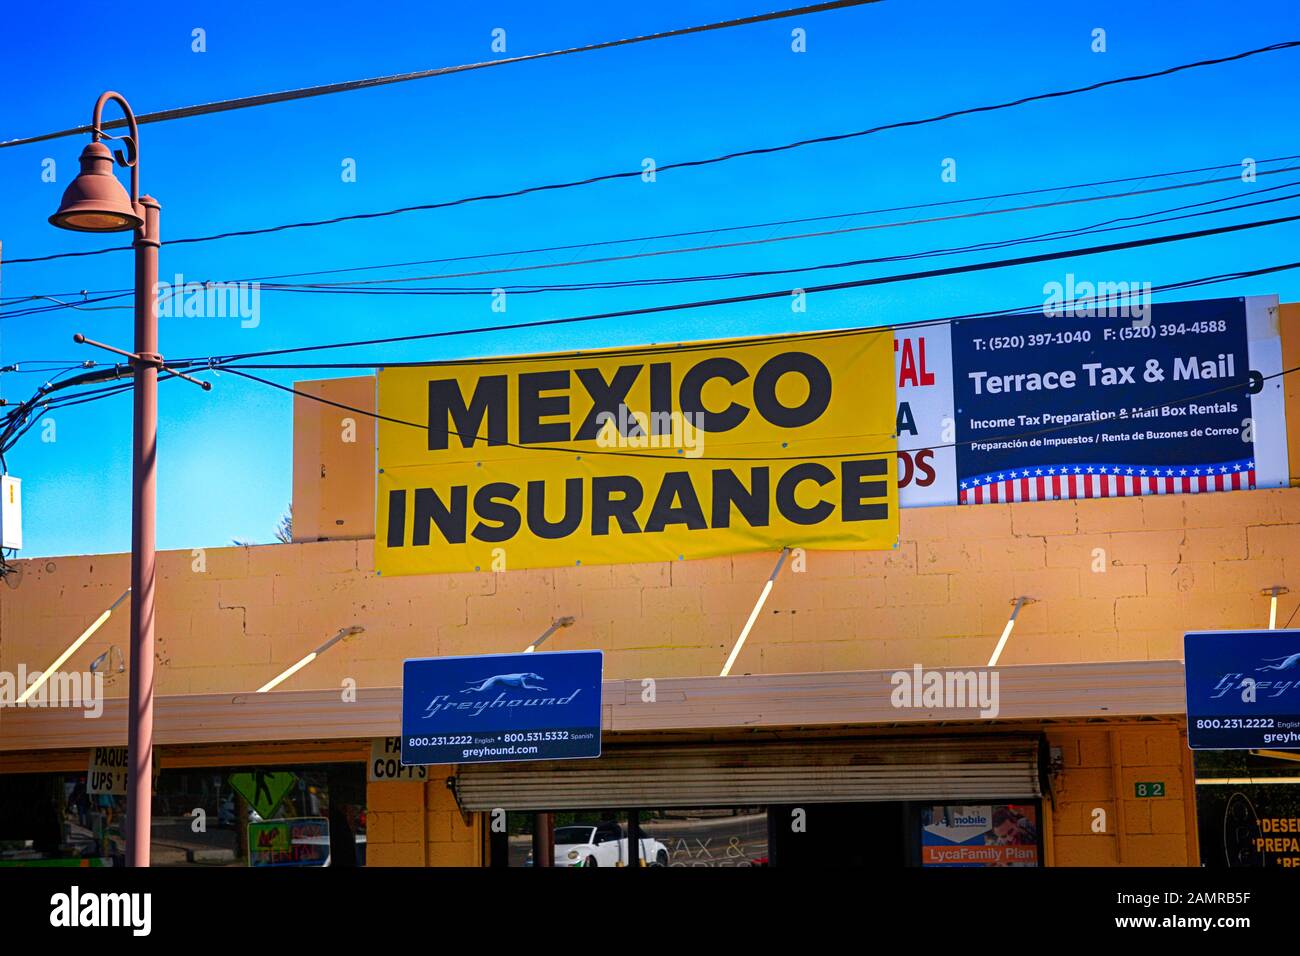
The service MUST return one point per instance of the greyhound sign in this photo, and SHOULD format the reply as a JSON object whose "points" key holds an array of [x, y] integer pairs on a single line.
{"points": [[492, 708], [1243, 690]]}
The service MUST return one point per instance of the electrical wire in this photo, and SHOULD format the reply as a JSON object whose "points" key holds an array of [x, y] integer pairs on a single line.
{"points": [[118, 293], [841, 215], [1017, 312], [224, 363], [1105, 226], [25, 416], [117, 371], [1125, 222], [368, 288], [45, 309], [821, 234], [215, 361], [21, 416], [780, 293], [264, 99], [27, 422], [828, 456], [18, 368], [80, 306], [696, 163]]}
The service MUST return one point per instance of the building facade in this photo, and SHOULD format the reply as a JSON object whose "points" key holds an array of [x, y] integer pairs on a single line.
{"points": [[808, 753]]}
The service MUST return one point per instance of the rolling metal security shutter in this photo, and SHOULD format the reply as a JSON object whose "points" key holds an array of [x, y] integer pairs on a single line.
{"points": [[942, 770]]}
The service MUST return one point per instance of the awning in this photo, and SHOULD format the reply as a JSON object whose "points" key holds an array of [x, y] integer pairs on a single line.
{"points": [[1105, 689], [950, 769]]}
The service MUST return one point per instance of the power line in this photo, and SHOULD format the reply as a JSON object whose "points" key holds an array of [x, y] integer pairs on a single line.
{"points": [[1110, 225], [584, 450], [694, 163], [329, 286], [1008, 313], [215, 362], [841, 215], [56, 362], [264, 99], [114, 373], [67, 255], [1018, 312], [781, 293], [118, 371], [42, 309], [21, 419], [11, 437], [807, 235], [80, 306]]}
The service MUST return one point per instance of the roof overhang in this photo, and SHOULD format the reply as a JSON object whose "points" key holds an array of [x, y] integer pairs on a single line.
{"points": [[749, 702]]}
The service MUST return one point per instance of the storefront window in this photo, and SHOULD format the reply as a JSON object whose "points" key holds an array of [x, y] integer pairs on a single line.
{"points": [[709, 838], [877, 835], [310, 815], [51, 819], [671, 838], [1248, 809]]}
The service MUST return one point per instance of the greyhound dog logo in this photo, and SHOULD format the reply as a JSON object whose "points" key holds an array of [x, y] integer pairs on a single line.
{"points": [[1286, 665], [507, 680], [493, 694]]}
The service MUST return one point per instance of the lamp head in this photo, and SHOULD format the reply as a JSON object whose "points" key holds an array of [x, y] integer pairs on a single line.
{"points": [[95, 201]]}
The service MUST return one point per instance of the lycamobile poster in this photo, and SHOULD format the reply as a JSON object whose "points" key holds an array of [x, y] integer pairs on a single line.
{"points": [[1000, 834]]}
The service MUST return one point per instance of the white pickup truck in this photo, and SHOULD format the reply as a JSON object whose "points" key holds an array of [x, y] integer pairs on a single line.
{"points": [[603, 845]]}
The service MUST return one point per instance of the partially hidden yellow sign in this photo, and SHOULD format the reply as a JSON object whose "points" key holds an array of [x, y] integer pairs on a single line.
{"points": [[654, 453]]}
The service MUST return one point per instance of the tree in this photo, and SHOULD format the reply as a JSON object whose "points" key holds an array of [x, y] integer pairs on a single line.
{"points": [[284, 530]]}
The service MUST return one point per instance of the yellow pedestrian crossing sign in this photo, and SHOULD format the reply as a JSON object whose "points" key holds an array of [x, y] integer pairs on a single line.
{"points": [[264, 790]]}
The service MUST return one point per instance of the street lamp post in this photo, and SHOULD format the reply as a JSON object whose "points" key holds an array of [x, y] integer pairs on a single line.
{"points": [[96, 202]]}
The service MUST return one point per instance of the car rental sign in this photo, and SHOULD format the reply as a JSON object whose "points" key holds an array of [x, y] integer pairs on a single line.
{"points": [[640, 454], [493, 708]]}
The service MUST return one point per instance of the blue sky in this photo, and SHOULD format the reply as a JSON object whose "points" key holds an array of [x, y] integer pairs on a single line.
{"points": [[225, 456]]}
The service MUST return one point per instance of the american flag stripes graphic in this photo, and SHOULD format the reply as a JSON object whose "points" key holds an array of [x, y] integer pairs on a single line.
{"points": [[1053, 482]]}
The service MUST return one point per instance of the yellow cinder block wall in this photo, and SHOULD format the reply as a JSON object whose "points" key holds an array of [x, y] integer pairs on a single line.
{"points": [[334, 459], [1113, 580], [413, 824], [1097, 818], [1117, 579]]}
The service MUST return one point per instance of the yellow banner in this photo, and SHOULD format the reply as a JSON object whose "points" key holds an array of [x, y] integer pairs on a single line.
{"points": [[655, 453]]}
